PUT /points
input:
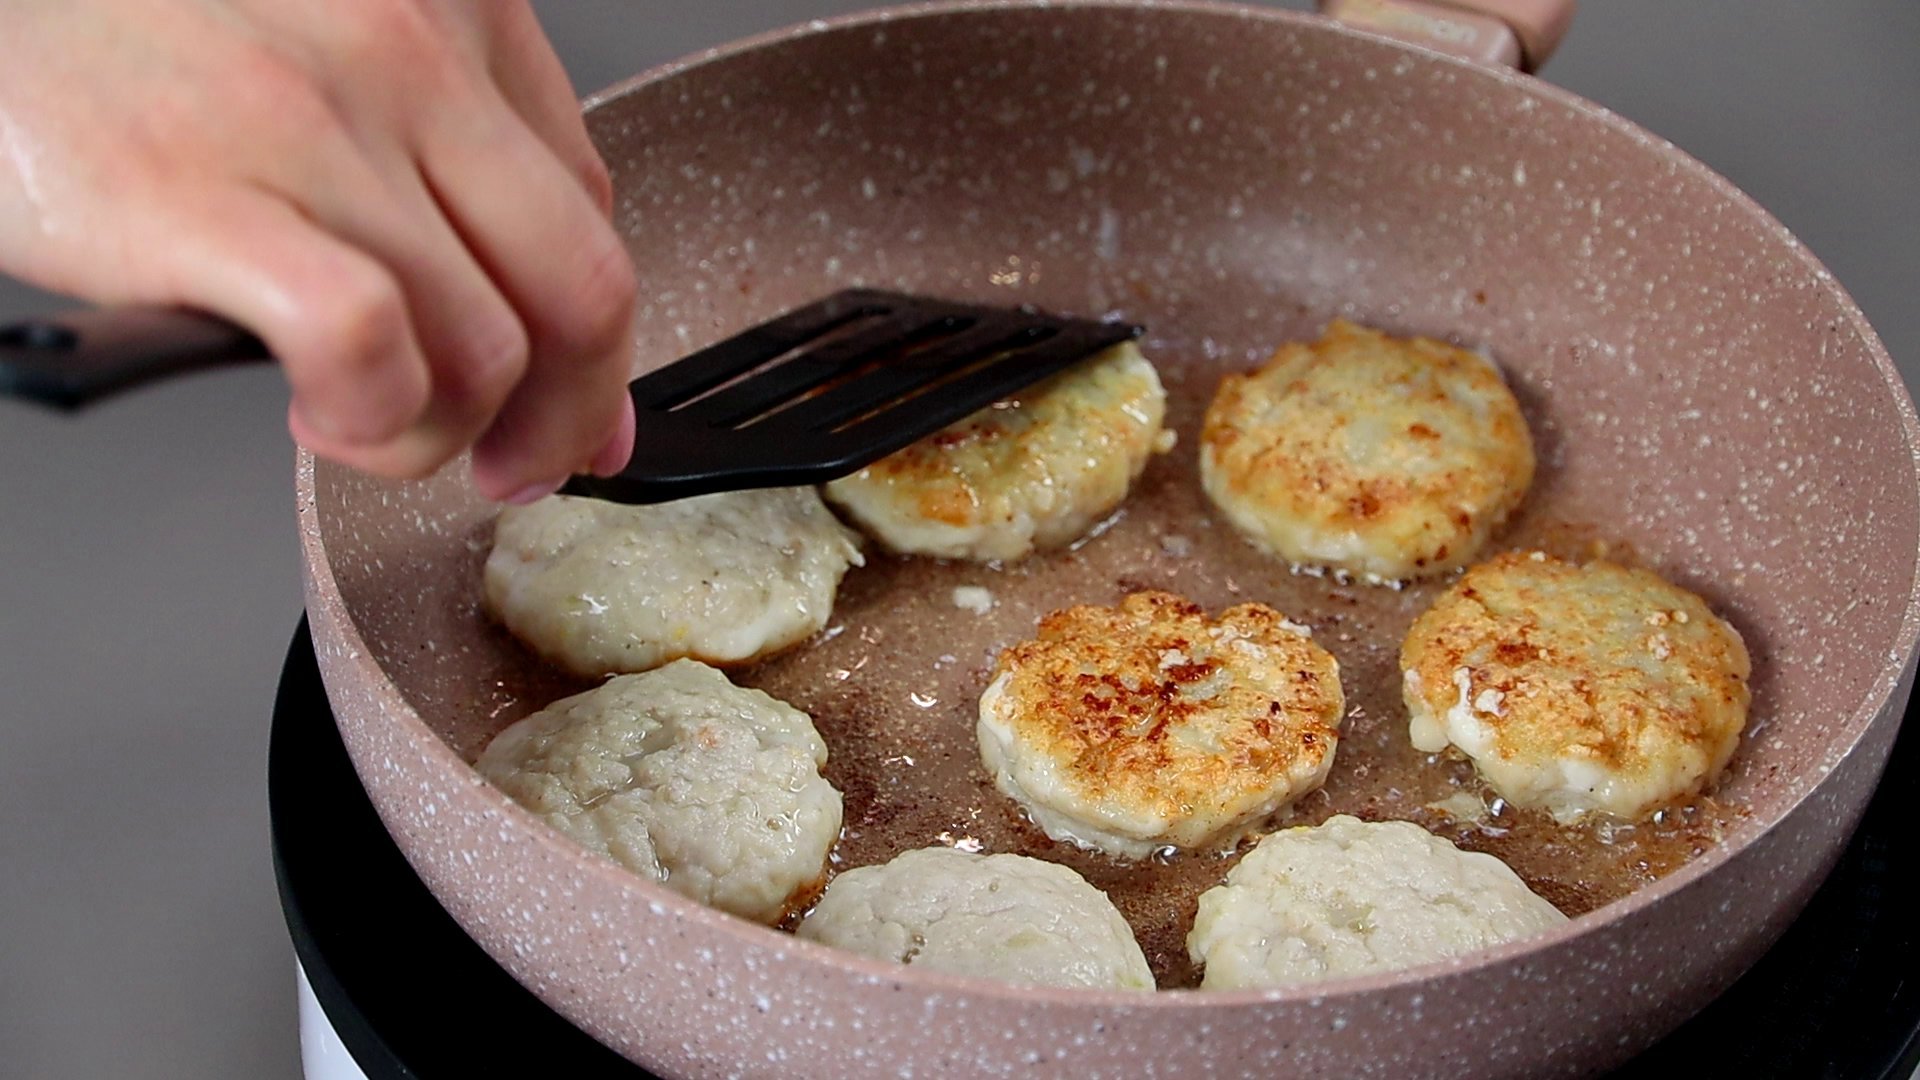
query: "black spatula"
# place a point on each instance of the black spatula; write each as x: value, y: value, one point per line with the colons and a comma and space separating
x: 808, y: 397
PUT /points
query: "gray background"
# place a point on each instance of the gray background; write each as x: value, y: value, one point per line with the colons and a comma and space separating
x: 150, y: 575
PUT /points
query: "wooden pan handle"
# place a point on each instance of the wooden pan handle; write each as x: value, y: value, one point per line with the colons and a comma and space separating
x: 1518, y: 33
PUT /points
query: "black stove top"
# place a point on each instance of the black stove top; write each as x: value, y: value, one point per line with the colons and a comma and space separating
x: 408, y: 991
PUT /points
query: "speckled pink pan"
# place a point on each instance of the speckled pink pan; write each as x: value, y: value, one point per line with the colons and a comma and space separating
x: 1698, y: 385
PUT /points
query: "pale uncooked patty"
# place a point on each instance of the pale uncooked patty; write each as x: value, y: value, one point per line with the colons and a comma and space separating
x: 726, y: 579
x: 1577, y: 688
x: 683, y: 778
x: 1386, y: 458
x: 1150, y: 725
x: 1028, y: 474
x: 1350, y: 898
x: 1004, y: 917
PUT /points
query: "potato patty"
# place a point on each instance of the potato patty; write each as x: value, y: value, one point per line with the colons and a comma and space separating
x: 1577, y: 688
x: 1149, y: 725
x: 1386, y: 458
x: 1350, y: 898
x: 1031, y: 473
x: 684, y: 778
x: 1004, y: 917
x: 724, y: 579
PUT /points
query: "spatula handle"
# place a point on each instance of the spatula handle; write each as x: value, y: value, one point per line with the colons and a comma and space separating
x: 73, y: 360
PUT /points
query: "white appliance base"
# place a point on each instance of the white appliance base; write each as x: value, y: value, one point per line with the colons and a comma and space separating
x: 322, y: 1055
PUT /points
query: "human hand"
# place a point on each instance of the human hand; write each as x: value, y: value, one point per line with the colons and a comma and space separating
x: 398, y: 196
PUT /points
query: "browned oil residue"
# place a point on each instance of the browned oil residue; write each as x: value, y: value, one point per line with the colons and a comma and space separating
x: 894, y: 688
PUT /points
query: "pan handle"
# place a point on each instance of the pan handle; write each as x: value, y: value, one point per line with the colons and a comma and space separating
x: 1518, y: 33
x: 73, y: 360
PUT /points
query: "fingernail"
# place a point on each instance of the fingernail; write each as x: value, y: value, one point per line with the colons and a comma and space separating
x: 533, y: 493
x: 619, y: 450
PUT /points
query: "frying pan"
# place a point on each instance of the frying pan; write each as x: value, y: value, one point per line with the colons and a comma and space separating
x: 1700, y: 388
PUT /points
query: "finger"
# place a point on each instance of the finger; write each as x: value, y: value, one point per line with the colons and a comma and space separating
x: 369, y: 193
x: 614, y: 456
x: 535, y: 85
x: 333, y: 316
x: 565, y: 272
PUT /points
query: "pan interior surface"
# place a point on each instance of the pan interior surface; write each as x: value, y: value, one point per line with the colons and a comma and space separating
x: 1704, y: 399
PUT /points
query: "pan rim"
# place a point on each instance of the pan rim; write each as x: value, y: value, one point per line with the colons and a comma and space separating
x: 1860, y: 718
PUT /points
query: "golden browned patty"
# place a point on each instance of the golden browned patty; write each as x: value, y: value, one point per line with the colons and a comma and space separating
x: 1386, y: 458
x: 1150, y: 725
x: 1577, y: 688
x: 1028, y: 474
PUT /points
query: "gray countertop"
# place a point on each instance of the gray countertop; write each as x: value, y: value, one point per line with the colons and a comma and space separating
x: 151, y: 579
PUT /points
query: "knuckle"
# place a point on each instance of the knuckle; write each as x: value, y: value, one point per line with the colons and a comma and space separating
x: 284, y: 119
x: 361, y: 386
x: 386, y: 28
x: 267, y: 68
x: 603, y: 300
x: 403, y: 401
x: 363, y: 322
x: 595, y: 177
x: 495, y: 360
x: 271, y: 81
x: 352, y: 364
x: 397, y: 38
x: 413, y: 38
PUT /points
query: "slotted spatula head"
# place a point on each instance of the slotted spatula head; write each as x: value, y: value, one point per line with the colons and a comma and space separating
x: 823, y: 391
